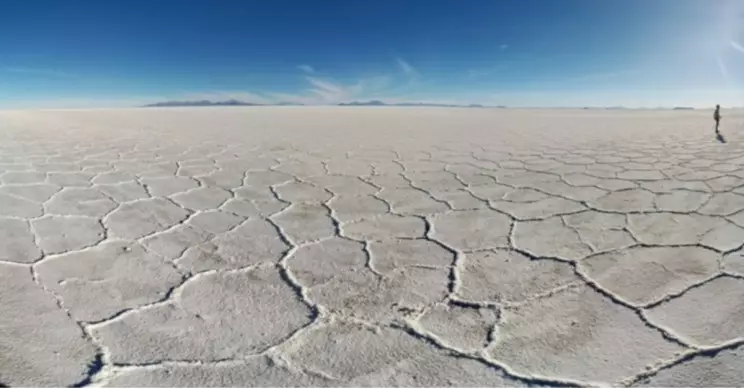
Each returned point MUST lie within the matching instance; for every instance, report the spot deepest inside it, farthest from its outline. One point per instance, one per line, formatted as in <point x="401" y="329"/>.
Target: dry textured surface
<point x="292" y="246"/>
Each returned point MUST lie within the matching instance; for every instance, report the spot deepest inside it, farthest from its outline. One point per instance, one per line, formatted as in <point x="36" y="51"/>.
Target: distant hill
<point x="362" y="103"/>
<point x="238" y="103"/>
<point x="200" y="103"/>
<point x="378" y="103"/>
<point x="208" y="103"/>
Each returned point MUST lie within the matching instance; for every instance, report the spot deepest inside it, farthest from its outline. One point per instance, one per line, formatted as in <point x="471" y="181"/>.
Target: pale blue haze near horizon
<point x="634" y="53"/>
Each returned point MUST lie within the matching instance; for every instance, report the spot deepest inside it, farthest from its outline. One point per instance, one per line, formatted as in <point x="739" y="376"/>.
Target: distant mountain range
<point x="208" y="103"/>
<point x="238" y="103"/>
<point x="370" y="103"/>
<point x="378" y="103"/>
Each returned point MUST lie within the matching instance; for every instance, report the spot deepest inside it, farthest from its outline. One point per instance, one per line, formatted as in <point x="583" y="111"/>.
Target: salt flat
<point x="307" y="246"/>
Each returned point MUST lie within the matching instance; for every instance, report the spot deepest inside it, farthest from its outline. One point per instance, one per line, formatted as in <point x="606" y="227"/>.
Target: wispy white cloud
<point x="737" y="46"/>
<point x="406" y="67"/>
<point x="324" y="85"/>
<point x="722" y="68"/>
<point x="306" y="68"/>
<point x="327" y="91"/>
<point x="503" y="47"/>
<point x="320" y="91"/>
<point x="35" y="71"/>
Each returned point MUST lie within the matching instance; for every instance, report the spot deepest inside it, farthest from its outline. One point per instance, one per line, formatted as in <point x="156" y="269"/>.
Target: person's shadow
<point x="719" y="137"/>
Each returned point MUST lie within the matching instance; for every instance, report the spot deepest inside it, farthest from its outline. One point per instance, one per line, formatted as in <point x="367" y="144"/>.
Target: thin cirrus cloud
<point x="332" y="92"/>
<point x="306" y="68"/>
<point x="323" y="85"/>
<point x="406" y="67"/>
<point x="317" y="90"/>
<point x="737" y="46"/>
<point x="327" y="90"/>
<point x="722" y="68"/>
<point x="321" y="91"/>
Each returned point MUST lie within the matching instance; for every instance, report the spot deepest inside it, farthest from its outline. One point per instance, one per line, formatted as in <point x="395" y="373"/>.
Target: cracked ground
<point x="385" y="247"/>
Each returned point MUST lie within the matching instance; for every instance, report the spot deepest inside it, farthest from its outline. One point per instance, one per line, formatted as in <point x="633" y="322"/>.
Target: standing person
<point x="717" y="116"/>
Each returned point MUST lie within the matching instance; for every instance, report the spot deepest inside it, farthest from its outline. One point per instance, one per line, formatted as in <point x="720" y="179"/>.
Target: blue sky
<point x="502" y="52"/>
